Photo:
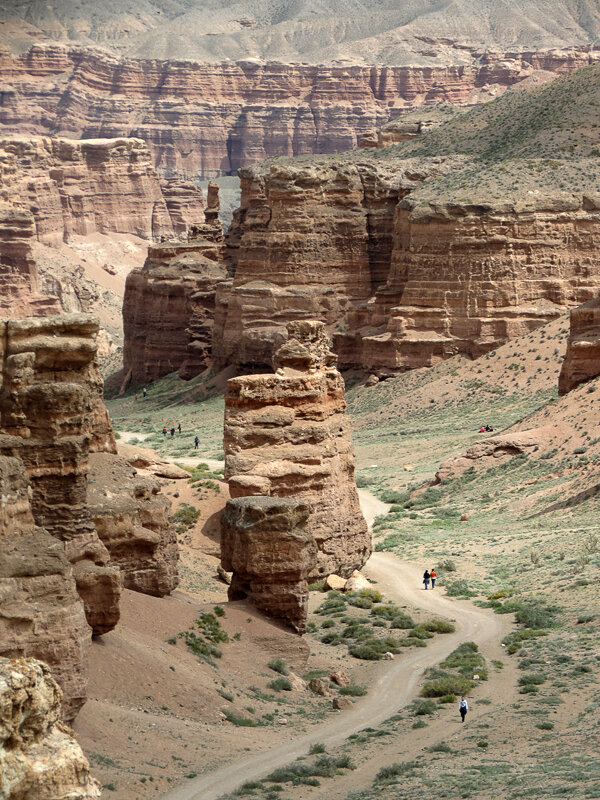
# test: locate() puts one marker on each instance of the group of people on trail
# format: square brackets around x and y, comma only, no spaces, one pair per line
[170,431]
[429,575]
[486,429]
[144,393]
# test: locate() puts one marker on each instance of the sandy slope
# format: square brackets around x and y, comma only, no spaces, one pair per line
[400,582]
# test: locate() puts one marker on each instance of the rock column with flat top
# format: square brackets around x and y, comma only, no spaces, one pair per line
[266,544]
[286,435]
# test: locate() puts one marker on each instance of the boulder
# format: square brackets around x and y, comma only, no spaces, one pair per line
[341,703]
[335,582]
[339,678]
[356,582]
[320,687]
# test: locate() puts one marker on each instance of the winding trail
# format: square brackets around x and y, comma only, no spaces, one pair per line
[400,582]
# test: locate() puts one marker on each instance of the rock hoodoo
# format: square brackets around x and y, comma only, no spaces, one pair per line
[286,436]
[39,757]
[266,544]
[582,359]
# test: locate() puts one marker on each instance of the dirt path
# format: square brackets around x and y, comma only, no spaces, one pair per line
[400,582]
[212,463]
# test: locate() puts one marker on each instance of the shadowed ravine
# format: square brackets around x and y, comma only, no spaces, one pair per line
[399,581]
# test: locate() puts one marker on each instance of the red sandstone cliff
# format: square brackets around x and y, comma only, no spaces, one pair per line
[582,359]
[211,119]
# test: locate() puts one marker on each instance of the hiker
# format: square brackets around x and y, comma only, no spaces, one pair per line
[144,392]
[172,431]
[164,430]
[135,395]
[463,707]
[488,429]
[433,576]
[482,429]
[179,427]
[196,443]
[426,577]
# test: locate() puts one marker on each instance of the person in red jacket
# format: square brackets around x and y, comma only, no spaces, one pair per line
[433,576]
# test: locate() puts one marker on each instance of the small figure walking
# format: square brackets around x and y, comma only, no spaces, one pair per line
[136,395]
[179,427]
[164,430]
[463,707]
[172,431]
[426,577]
[196,443]
[433,577]
[144,392]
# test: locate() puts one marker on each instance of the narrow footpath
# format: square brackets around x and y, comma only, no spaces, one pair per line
[401,582]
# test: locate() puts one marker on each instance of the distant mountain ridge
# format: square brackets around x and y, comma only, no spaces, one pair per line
[416,32]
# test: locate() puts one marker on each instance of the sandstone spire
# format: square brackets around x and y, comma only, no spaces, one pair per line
[286,435]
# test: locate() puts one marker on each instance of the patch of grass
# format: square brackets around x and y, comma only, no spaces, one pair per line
[238,719]
[281,685]
[353,690]
[400,769]
[278,665]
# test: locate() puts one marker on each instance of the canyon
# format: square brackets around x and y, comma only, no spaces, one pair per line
[204,119]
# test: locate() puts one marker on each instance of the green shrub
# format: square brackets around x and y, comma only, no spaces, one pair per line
[316,749]
[515,639]
[328,623]
[536,678]
[421,708]
[353,690]
[238,719]
[281,685]
[446,684]
[278,665]
[447,566]
[186,516]
[404,768]
[440,747]
[545,726]
[459,588]
[402,621]
[439,626]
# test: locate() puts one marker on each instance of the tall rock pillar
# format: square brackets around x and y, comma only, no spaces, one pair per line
[286,435]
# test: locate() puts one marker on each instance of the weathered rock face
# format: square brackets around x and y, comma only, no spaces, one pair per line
[169,305]
[20,293]
[211,119]
[131,517]
[46,410]
[41,613]
[92,186]
[266,544]
[582,359]
[39,757]
[286,436]
[398,285]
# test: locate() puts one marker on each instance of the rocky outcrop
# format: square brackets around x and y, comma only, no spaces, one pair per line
[131,517]
[46,410]
[41,613]
[210,119]
[92,186]
[39,757]
[266,544]
[399,283]
[286,436]
[169,305]
[582,359]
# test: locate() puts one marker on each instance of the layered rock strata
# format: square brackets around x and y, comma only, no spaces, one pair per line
[399,284]
[169,304]
[131,517]
[582,359]
[210,119]
[46,410]
[39,756]
[266,545]
[286,436]
[41,613]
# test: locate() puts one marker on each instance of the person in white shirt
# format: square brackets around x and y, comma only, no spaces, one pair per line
[463,707]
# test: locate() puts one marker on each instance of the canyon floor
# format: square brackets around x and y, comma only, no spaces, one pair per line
[529,550]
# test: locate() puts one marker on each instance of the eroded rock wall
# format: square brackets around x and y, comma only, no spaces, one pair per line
[41,613]
[265,543]
[286,435]
[211,119]
[39,756]
[399,285]
[582,359]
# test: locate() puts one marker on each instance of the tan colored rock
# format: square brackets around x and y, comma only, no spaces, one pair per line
[290,428]
[131,517]
[48,405]
[169,308]
[582,359]
[39,756]
[298,684]
[335,582]
[320,687]
[170,471]
[464,517]
[266,544]
[210,119]
[342,703]
[41,613]
[339,677]
[356,582]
